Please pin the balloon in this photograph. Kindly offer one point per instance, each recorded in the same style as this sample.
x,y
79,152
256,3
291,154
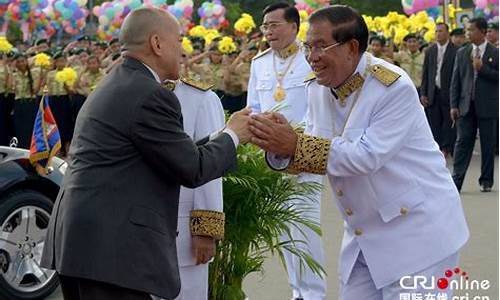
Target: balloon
x,y
77,14
104,20
481,4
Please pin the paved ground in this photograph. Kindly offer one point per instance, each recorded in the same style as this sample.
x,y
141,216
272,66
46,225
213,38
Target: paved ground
x,y
479,258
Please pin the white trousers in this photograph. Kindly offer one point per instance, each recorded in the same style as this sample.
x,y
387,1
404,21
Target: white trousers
x,y
304,283
194,283
361,286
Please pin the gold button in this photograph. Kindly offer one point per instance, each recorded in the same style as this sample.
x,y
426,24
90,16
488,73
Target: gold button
x,y
348,212
340,193
404,211
358,231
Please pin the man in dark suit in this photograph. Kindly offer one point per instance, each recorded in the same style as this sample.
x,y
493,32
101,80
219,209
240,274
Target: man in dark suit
x,y
474,103
112,234
435,89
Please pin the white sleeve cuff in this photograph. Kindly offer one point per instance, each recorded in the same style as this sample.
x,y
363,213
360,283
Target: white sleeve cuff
x,y
230,132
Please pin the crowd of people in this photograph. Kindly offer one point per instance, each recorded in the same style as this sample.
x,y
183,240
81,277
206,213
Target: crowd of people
x,y
22,83
436,72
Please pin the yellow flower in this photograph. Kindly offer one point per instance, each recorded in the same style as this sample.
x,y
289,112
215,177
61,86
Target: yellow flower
x,y
369,23
400,35
5,46
378,23
42,60
227,45
245,24
431,26
429,36
452,10
304,27
303,15
197,31
187,45
67,76
422,16
210,35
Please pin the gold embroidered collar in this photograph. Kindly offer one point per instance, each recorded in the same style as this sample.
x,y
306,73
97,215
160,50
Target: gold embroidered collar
x,y
288,51
348,87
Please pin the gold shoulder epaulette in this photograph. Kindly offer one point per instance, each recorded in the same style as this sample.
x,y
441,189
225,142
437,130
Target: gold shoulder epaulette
x,y
197,84
261,54
310,76
383,74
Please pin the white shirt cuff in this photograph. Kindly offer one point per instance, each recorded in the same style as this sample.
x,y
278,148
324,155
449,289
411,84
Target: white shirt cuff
x,y
230,132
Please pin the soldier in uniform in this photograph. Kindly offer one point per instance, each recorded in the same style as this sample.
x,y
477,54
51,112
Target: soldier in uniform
x,y
492,34
457,36
236,77
367,130
277,82
59,101
411,60
113,48
24,83
212,72
86,83
202,114
6,105
377,46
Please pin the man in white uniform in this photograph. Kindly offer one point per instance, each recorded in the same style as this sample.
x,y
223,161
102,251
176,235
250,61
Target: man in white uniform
x,y
202,115
367,130
277,82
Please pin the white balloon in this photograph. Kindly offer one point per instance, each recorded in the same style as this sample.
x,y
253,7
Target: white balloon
x,y
103,20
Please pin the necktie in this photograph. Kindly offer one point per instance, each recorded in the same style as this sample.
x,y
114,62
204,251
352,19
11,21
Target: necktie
x,y
439,65
477,55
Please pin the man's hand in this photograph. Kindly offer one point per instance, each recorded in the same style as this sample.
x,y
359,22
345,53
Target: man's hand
x,y
454,114
203,248
477,63
425,101
239,123
273,134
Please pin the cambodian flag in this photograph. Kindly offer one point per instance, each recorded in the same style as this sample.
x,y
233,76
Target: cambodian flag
x,y
45,141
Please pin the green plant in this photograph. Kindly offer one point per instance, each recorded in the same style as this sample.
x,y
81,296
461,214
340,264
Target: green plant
x,y
260,206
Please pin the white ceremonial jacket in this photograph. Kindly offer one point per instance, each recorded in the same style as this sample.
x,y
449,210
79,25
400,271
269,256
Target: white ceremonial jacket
x,y
202,115
263,83
389,179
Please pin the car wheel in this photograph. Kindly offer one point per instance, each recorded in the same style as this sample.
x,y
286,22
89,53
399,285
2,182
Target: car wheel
x,y
24,219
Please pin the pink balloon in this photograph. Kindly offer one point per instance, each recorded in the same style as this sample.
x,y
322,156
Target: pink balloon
x,y
481,4
96,11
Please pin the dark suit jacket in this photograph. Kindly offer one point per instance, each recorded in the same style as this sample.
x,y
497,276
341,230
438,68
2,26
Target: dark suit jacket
x,y
115,217
486,87
428,86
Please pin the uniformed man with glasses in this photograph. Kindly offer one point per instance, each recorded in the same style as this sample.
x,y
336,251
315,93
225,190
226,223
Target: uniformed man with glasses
x,y
367,131
277,82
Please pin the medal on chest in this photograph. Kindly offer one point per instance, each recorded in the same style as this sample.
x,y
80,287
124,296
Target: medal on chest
x,y
279,93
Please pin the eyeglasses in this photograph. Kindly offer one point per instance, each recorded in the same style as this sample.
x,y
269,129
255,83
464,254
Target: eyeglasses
x,y
308,50
271,26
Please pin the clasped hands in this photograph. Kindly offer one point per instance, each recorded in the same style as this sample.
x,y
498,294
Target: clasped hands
x,y
270,131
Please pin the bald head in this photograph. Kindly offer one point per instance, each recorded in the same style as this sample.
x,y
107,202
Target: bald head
x,y
143,23
152,36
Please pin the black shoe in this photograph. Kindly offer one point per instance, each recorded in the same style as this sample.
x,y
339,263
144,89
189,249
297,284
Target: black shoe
x,y
485,188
